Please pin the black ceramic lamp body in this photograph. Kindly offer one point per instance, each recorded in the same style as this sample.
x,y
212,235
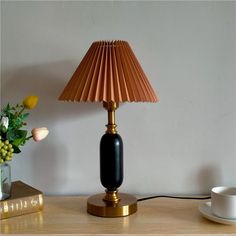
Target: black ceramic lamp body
x,y
111,161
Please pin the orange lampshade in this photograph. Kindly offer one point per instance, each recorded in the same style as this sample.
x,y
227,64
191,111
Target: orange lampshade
x,y
109,72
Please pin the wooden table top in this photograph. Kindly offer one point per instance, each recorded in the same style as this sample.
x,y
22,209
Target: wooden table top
x,y
68,215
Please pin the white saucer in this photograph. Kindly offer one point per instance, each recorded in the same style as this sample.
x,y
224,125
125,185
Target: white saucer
x,y
205,209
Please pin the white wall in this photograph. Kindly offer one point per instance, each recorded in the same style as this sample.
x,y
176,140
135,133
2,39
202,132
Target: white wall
x,y
186,143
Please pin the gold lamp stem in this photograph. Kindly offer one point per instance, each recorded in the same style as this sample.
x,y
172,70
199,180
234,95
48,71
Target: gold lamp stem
x,y
111,196
111,107
112,203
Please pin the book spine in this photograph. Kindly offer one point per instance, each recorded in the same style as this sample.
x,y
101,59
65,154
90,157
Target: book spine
x,y
21,206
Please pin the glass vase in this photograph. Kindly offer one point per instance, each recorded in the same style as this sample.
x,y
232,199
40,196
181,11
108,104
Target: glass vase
x,y
5,181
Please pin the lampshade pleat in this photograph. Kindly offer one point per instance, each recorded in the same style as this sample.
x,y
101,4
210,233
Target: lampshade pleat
x,y
94,86
133,80
116,78
121,77
88,75
142,88
109,71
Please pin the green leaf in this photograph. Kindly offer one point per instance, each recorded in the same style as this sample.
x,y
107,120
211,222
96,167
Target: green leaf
x,y
3,129
16,149
24,116
22,133
21,136
8,107
11,135
18,141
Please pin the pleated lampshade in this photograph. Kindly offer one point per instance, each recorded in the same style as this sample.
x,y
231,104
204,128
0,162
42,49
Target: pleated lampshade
x,y
109,72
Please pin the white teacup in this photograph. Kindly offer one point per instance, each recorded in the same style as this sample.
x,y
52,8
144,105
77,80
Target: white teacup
x,y
223,202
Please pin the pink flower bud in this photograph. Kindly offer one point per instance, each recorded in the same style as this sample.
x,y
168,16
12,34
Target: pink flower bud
x,y
39,133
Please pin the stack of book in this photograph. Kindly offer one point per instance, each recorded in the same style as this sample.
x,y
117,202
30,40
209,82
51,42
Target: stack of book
x,y
24,199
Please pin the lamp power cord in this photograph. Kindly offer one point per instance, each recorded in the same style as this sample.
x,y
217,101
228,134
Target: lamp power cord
x,y
177,197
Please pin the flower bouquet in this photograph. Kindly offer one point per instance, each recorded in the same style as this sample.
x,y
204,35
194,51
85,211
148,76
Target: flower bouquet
x,y
13,136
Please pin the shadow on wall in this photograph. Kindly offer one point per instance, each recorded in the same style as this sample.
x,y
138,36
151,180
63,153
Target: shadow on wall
x,y
48,169
209,177
46,81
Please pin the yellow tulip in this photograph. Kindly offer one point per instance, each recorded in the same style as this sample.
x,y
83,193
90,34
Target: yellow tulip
x,y
30,102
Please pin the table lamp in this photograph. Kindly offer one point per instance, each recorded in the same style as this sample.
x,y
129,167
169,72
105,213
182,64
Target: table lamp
x,y
110,73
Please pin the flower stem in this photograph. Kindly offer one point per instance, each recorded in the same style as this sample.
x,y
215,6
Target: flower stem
x,y
23,108
31,136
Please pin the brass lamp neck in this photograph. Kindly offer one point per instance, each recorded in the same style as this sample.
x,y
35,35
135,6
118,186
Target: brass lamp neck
x,y
111,107
111,197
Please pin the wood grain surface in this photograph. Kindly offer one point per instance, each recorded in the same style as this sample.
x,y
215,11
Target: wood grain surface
x,y
67,215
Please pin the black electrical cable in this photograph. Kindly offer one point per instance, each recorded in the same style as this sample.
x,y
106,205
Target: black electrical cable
x,y
166,196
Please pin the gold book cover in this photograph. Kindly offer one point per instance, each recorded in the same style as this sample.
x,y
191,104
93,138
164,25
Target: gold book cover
x,y
24,199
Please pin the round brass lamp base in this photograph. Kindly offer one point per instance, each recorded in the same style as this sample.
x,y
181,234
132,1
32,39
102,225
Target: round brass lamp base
x,y
126,205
